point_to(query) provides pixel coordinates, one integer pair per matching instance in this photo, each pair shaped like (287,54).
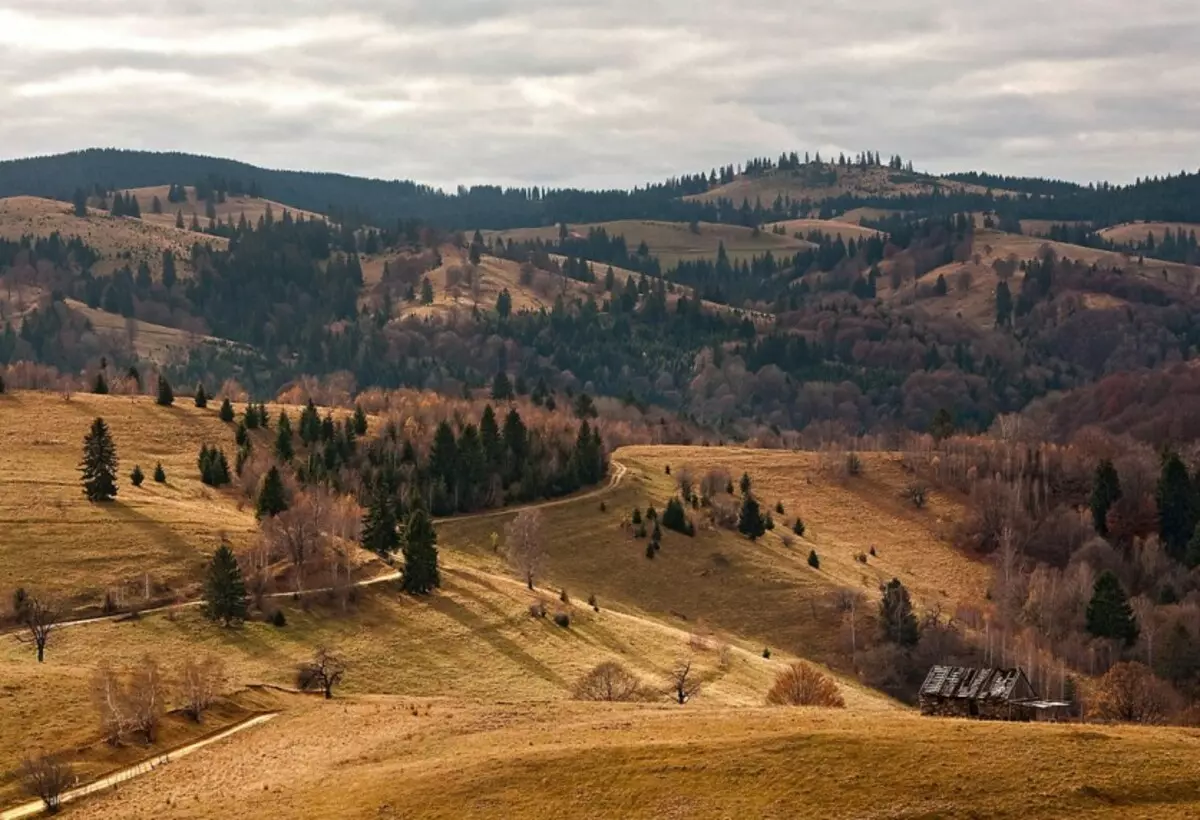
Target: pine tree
(1004,305)
(744,484)
(1109,614)
(426,291)
(99,466)
(137,476)
(250,417)
(310,423)
(224,589)
(166,396)
(1177,507)
(420,574)
(100,387)
(896,616)
(178,223)
(360,421)
(160,475)
(379,525)
(80,202)
(284,451)
(225,414)
(750,520)
(1106,491)
(168,274)
(504,304)
(814,560)
(501,387)
(271,501)
(942,426)
(201,397)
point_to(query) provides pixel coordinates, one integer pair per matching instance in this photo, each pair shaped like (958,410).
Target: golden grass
(673,242)
(1137,231)
(398,757)
(157,343)
(111,237)
(52,540)
(832,227)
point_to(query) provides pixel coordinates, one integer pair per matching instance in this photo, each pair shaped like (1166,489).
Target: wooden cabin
(986,694)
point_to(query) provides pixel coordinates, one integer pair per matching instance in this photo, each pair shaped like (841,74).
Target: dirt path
(35,807)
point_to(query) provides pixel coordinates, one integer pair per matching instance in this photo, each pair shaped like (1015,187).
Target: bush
(562,596)
(640,532)
(767,652)
(798,528)
(160,475)
(592,602)
(872,553)
(916,494)
(802,685)
(814,560)
(779,507)
(137,476)
(603,507)
(650,551)
(675,518)
(278,618)
(537,609)
(861,558)
(562,619)
(609,682)
(854,466)
(636,517)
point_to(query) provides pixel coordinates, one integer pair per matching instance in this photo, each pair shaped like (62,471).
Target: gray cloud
(610,93)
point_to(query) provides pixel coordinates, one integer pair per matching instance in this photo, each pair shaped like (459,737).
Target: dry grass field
(119,241)
(1138,231)
(233,206)
(156,343)
(413,758)
(832,227)
(52,541)
(672,242)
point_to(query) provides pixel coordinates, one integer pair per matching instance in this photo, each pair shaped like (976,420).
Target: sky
(608,93)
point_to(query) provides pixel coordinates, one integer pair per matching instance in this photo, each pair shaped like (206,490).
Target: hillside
(1138,231)
(235,206)
(832,227)
(673,242)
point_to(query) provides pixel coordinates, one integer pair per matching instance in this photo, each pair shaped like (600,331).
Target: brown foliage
(609,682)
(46,778)
(1130,693)
(802,685)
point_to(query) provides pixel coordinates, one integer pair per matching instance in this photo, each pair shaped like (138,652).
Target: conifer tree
(1109,614)
(942,426)
(225,414)
(284,450)
(1106,491)
(160,475)
(1004,305)
(250,417)
(224,589)
(80,202)
(504,304)
(168,274)
(201,397)
(99,466)
(271,501)
(100,386)
(1177,506)
(426,291)
(310,423)
(896,616)
(379,525)
(744,484)
(360,421)
(166,396)
(137,476)
(750,520)
(501,387)
(814,560)
(178,223)
(420,574)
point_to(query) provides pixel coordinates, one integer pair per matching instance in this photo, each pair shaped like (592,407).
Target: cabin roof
(970,683)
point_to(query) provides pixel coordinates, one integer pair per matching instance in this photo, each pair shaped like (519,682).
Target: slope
(235,206)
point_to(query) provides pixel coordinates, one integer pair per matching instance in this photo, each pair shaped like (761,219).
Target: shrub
(798,527)
(767,652)
(861,558)
(562,619)
(788,540)
(609,682)
(802,685)
(872,553)
(640,532)
(603,507)
(668,469)
(278,618)
(137,476)
(562,596)
(636,518)
(650,551)
(814,560)
(854,466)
(916,494)
(537,609)
(592,602)
(779,507)
(160,475)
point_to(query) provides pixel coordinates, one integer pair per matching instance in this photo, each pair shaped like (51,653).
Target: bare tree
(46,778)
(200,680)
(1130,692)
(523,544)
(146,698)
(609,682)
(299,533)
(39,618)
(803,685)
(685,681)
(109,696)
(323,672)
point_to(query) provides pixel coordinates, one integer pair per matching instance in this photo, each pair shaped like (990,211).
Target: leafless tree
(199,681)
(714,483)
(523,544)
(109,696)
(685,681)
(146,698)
(803,685)
(609,682)
(686,483)
(299,533)
(39,617)
(1130,692)
(46,778)
(323,672)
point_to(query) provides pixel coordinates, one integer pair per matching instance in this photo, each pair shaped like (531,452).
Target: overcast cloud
(611,92)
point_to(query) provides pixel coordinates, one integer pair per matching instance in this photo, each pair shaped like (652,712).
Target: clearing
(233,206)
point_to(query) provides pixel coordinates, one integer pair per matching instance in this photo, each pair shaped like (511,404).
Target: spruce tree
(744,485)
(360,421)
(310,423)
(814,560)
(504,304)
(80,202)
(99,466)
(137,476)
(100,386)
(225,414)
(166,396)
(250,418)
(379,525)
(1109,614)
(1106,491)
(942,426)
(501,387)
(750,520)
(426,291)
(168,274)
(896,616)
(1004,305)
(1177,507)
(420,554)
(224,589)
(271,501)
(284,450)
(160,475)
(201,397)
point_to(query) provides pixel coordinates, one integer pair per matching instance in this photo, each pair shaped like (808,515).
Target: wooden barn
(987,694)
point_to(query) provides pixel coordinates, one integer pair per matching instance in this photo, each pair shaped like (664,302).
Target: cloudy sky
(608,92)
